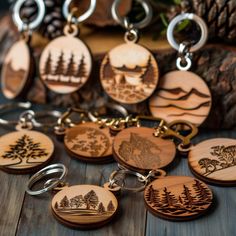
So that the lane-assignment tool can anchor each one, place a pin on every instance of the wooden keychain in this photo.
(26, 150)
(212, 160)
(129, 72)
(78, 206)
(18, 66)
(183, 94)
(143, 148)
(177, 198)
(66, 62)
(90, 140)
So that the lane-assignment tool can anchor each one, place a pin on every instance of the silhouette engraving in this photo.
(189, 200)
(223, 157)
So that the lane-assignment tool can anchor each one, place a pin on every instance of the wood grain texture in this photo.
(138, 149)
(181, 95)
(24, 151)
(129, 73)
(16, 73)
(89, 142)
(132, 219)
(178, 198)
(65, 64)
(214, 161)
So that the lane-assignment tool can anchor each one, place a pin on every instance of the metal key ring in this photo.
(112, 180)
(51, 169)
(187, 16)
(120, 20)
(85, 16)
(35, 23)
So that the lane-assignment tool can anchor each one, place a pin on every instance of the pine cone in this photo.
(220, 16)
(53, 21)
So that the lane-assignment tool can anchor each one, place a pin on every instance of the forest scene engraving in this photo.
(140, 152)
(71, 72)
(25, 153)
(15, 72)
(189, 99)
(222, 157)
(87, 141)
(126, 83)
(84, 208)
(189, 200)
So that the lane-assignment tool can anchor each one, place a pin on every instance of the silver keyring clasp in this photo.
(50, 183)
(139, 25)
(85, 16)
(187, 16)
(21, 25)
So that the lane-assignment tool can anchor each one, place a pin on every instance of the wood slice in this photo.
(214, 161)
(138, 149)
(129, 73)
(16, 72)
(84, 206)
(65, 64)
(181, 95)
(89, 142)
(178, 198)
(24, 151)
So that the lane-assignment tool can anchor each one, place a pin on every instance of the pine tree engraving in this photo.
(108, 72)
(71, 68)
(153, 196)
(101, 208)
(202, 193)
(24, 150)
(64, 203)
(56, 206)
(60, 66)
(168, 198)
(148, 75)
(188, 197)
(192, 199)
(48, 66)
(110, 206)
(82, 69)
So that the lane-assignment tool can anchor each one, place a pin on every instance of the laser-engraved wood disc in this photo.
(89, 142)
(214, 161)
(178, 198)
(138, 149)
(17, 70)
(129, 73)
(84, 206)
(65, 64)
(181, 95)
(24, 151)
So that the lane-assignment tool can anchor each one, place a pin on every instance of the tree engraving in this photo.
(222, 157)
(191, 200)
(24, 150)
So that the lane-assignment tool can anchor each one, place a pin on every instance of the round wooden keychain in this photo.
(177, 198)
(78, 206)
(18, 66)
(212, 160)
(89, 141)
(25, 150)
(129, 72)
(143, 149)
(183, 94)
(66, 62)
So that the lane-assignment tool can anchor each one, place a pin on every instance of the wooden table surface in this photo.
(25, 215)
